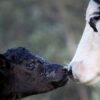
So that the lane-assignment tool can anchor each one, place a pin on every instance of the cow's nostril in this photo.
(70, 71)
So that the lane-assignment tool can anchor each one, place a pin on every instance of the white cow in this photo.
(85, 65)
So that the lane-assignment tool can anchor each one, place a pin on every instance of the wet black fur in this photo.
(97, 1)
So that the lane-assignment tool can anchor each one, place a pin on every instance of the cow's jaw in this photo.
(85, 64)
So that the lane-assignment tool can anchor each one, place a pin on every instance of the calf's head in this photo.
(24, 73)
(85, 65)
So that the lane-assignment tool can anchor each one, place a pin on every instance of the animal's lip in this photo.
(89, 82)
(92, 81)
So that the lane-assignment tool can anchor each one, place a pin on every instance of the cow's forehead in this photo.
(92, 9)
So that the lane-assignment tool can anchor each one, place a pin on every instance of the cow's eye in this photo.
(93, 20)
(96, 18)
(30, 66)
(92, 23)
(34, 63)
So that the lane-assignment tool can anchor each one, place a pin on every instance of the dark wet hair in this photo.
(97, 1)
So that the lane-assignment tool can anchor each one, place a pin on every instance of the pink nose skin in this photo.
(83, 73)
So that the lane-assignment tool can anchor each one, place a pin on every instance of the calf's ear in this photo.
(4, 66)
(3, 62)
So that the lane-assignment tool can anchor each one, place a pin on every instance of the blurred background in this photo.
(50, 28)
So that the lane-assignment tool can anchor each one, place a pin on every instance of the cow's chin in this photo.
(85, 75)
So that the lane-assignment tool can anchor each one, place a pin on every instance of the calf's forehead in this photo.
(22, 55)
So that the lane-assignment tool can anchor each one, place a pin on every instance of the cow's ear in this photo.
(4, 64)
(4, 67)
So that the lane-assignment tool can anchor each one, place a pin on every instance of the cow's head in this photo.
(85, 65)
(23, 73)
